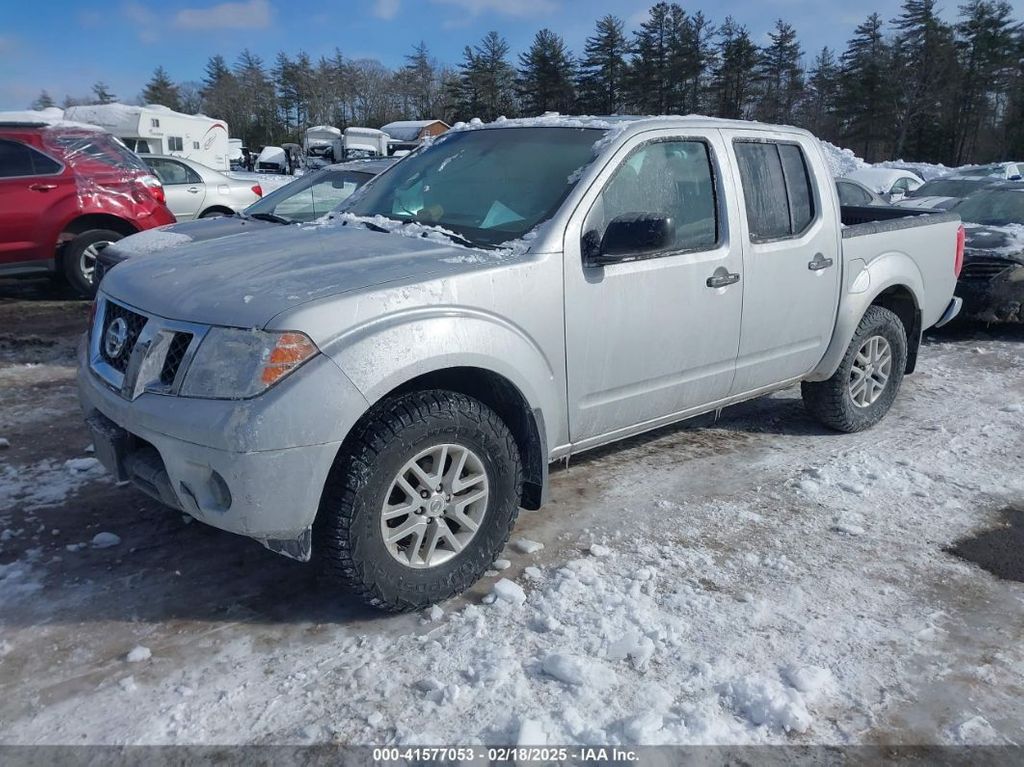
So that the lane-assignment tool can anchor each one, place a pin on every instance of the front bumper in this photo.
(996, 299)
(254, 467)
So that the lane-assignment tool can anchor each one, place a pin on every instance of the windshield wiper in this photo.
(269, 217)
(451, 236)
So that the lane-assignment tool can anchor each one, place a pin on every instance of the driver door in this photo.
(648, 337)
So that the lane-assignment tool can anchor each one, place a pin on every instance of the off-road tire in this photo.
(71, 259)
(348, 545)
(830, 401)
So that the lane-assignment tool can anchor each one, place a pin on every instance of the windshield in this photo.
(948, 187)
(995, 207)
(489, 186)
(310, 196)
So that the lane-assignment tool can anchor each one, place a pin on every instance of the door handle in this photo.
(194, 189)
(819, 263)
(721, 280)
(42, 187)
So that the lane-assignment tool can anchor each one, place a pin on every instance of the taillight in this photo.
(257, 190)
(961, 242)
(154, 187)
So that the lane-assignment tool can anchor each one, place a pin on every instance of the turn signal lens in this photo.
(290, 351)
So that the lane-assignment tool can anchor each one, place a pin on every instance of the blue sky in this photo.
(66, 45)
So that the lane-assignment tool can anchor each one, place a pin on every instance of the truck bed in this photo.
(926, 238)
(862, 220)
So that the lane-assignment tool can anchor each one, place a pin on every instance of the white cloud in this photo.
(253, 14)
(518, 8)
(386, 9)
(144, 19)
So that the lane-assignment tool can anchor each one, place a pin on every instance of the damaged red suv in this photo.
(66, 192)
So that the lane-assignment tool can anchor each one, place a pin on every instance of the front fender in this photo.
(865, 282)
(390, 350)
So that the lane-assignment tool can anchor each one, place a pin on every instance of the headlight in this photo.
(237, 364)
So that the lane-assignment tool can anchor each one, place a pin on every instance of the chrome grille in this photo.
(983, 268)
(175, 354)
(135, 323)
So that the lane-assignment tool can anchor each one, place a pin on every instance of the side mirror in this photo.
(629, 237)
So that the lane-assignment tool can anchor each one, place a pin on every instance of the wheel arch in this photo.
(892, 281)
(503, 397)
(216, 209)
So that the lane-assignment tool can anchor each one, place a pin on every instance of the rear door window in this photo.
(777, 189)
(18, 160)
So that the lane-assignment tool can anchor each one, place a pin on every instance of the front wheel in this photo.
(861, 391)
(79, 258)
(419, 502)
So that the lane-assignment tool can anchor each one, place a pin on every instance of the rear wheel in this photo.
(214, 213)
(861, 391)
(420, 502)
(79, 258)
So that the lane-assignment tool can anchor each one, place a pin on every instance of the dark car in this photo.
(943, 193)
(992, 281)
(303, 200)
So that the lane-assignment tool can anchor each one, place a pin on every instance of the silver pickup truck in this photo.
(382, 390)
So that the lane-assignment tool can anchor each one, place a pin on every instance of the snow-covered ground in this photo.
(754, 580)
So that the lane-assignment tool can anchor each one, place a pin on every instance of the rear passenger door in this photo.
(184, 189)
(30, 184)
(791, 258)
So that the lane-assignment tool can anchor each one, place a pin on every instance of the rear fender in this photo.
(865, 283)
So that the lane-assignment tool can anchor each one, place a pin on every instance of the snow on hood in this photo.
(999, 241)
(151, 241)
(247, 280)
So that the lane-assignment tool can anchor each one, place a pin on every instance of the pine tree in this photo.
(780, 76)
(734, 70)
(868, 90)
(486, 84)
(43, 101)
(421, 83)
(924, 69)
(102, 94)
(602, 71)
(257, 101)
(985, 46)
(819, 110)
(651, 82)
(161, 90)
(545, 77)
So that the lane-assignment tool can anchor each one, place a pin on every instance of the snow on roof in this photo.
(123, 117)
(323, 129)
(409, 130)
(880, 179)
(51, 117)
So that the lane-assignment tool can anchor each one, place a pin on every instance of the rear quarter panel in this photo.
(916, 252)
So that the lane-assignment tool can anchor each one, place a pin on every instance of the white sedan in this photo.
(893, 184)
(196, 191)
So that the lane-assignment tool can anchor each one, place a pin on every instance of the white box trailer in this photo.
(368, 142)
(156, 129)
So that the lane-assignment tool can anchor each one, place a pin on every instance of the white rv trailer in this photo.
(155, 129)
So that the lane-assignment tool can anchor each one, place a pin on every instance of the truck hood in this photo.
(995, 242)
(181, 234)
(248, 279)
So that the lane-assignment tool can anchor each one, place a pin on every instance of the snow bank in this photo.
(841, 161)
